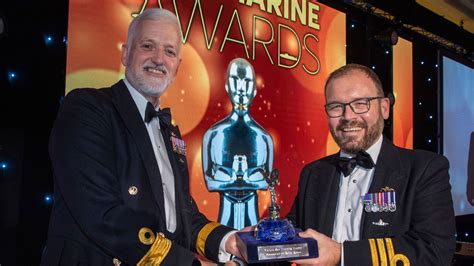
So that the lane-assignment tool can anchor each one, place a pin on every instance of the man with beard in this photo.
(121, 192)
(373, 203)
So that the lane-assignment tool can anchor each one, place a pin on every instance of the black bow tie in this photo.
(346, 165)
(163, 114)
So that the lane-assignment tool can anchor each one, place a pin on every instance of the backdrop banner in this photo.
(292, 46)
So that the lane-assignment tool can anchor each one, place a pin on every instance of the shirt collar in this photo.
(373, 150)
(139, 99)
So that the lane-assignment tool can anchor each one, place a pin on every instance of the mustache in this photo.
(352, 123)
(161, 68)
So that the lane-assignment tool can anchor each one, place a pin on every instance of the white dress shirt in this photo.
(349, 204)
(161, 155)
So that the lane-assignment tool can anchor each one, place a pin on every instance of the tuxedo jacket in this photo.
(108, 195)
(420, 231)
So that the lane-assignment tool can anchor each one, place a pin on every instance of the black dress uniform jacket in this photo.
(420, 231)
(108, 197)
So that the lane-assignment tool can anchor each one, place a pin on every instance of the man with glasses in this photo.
(373, 203)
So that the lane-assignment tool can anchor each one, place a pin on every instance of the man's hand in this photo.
(204, 261)
(329, 250)
(231, 243)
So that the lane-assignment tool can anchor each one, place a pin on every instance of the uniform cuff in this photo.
(224, 256)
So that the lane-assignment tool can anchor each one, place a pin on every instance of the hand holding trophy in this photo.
(275, 239)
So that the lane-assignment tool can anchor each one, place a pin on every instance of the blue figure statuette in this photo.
(237, 153)
(272, 228)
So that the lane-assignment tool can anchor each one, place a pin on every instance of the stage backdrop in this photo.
(458, 131)
(293, 46)
(403, 92)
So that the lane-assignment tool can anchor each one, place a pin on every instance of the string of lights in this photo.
(447, 44)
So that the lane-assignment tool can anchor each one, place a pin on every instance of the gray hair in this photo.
(150, 14)
(350, 68)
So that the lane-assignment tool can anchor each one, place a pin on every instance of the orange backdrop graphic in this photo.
(289, 101)
(403, 91)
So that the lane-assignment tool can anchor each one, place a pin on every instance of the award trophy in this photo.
(275, 239)
(237, 153)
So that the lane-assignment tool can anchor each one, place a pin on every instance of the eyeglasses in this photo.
(358, 106)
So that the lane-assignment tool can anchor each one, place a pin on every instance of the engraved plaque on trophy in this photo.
(275, 239)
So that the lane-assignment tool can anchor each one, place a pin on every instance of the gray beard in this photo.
(145, 89)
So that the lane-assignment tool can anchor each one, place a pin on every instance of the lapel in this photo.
(388, 173)
(178, 164)
(327, 199)
(129, 113)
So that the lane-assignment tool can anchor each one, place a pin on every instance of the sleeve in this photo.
(83, 159)
(429, 239)
(206, 235)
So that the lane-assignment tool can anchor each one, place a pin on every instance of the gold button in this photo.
(146, 236)
(116, 262)
(133, 190)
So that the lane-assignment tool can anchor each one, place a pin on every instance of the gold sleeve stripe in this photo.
(390, 250)
(373, 251)
(157, 252)
(386, 256)
(400, 257)
(382, 253)
(202, 236)
(395, 258)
